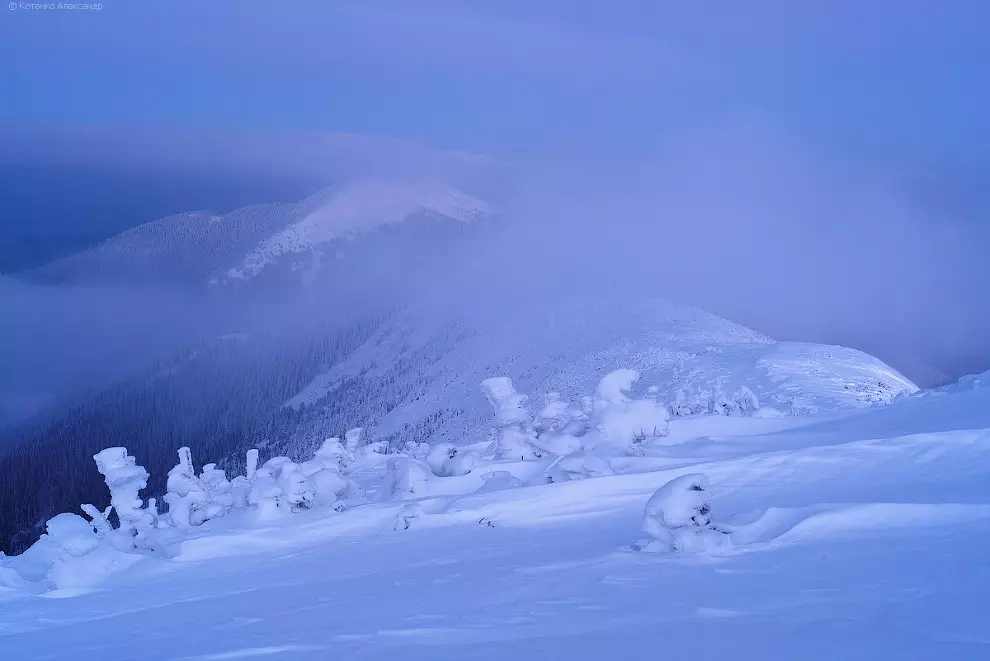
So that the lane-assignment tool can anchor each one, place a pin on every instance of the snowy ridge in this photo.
(432, 363)
(357, 208)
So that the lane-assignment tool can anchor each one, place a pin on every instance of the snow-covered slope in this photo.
(360, 207)
(417, 377)
(186, 248)
(201, 247)
(860, 538)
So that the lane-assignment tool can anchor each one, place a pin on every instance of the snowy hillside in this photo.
(348, 211)
(859, 537)
(202, 247)
(416, 378)
(184, 248)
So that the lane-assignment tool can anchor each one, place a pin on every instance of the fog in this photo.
(740, 219)
(753, 225)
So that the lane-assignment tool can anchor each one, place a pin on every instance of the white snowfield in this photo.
(858, 534)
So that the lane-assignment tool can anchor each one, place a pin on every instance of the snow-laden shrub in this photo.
(218, 487)
(297, 492)
(126, 479)
(578, 466)
(513, 425)
(446, 460)
(352, 439)
(333, 450)
(690, 402)
(330, 486)
(404, 477)
(623, 422)
(560, 426)
(189, 500)
(417, 450)
(746, 400)
(280, 486)
(554, 415)
(240, 486)
(76, 554)
(678, 517)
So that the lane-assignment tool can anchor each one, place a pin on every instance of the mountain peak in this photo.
(357, 208)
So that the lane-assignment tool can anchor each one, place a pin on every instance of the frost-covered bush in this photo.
(446, 460)
(554, 415)
(352, 439)
(625, 423)
(560, 426)
(280, 486)
(404, 477)
(323, 471)
(335, 452)
(297, 491)
(417, 450)
(516, 438)
(578, 466)
(240, 486)
(218, 487)
(746, 401)
(76, 555)
(281, 483)
(126, 479)
(188, 498)
(678, 518)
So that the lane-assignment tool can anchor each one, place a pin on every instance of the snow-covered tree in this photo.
(553, 416)
(240, 486)
(352, 439)
(746, 401)
(126, 479)
(334, 451)
(297, 491)
(188, 498)
(513, 424)
(624, 422)
(76, 554)
(446, 460)
(218, 487)
(325, 475)
(678, 517)
(723, 404)
(404, 477)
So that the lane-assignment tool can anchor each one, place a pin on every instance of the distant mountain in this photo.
(321, 225)
(299, 240)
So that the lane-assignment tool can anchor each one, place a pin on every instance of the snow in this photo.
(421, 370)
(855, 534)
(358, 207)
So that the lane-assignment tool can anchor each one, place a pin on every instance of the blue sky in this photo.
(899, 84)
